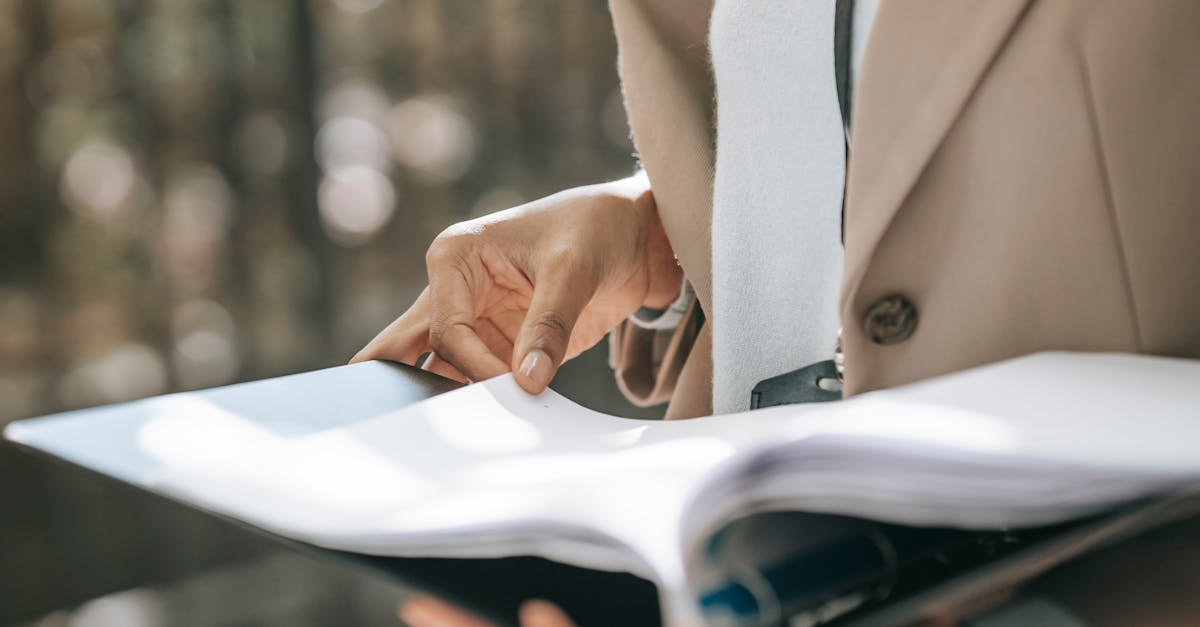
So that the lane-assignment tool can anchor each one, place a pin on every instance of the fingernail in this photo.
(537, 368)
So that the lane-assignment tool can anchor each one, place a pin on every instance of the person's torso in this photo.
(1023, 177)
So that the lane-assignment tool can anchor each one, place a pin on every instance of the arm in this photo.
(668, 90)
(525, 289)
(664, 66)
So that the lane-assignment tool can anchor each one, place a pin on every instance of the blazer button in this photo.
(890, 320)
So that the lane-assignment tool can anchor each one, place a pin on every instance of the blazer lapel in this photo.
(922, 62)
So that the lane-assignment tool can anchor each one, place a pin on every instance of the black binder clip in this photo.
(816, 383)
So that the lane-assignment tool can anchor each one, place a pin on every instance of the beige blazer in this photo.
(1024, 175)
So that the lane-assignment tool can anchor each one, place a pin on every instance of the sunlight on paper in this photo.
(191, 437)
(482, 431)
(190, 431)
(344, 474)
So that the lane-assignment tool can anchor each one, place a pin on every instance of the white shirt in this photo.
(777, 189)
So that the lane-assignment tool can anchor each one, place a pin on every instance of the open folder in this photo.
(334, 459)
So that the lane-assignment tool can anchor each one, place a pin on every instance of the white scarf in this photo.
(776, 223)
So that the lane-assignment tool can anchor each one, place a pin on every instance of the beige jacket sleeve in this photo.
(667, 84)
(647, 358)
(655, 366)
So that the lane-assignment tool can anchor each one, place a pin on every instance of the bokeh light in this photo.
(100, 181)
(355, 203)
(205, 352)
(429, 136)
(346, 141)
(128, 371)
(354, 98)
(357, 6)
(199, 193)
(196, 218)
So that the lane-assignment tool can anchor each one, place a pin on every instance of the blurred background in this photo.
(194, 193)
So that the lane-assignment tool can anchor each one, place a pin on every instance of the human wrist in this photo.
(664, 276)
(667, 318)
(657, 257)
(634, 187)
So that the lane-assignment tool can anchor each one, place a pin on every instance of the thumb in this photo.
(542, 342)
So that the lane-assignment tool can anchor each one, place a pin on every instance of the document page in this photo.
(335, 459)
(331, 458)
(1027, 442)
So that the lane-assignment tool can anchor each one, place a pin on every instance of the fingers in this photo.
(412, 335)
(560, 295)
(427, 611)
(495, 339)
(462, 288)
(543, 614)
(441, 367)
(452, 333)
(405, 339)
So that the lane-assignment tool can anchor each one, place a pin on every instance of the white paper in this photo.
(491, 471)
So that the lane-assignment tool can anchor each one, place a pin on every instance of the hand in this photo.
(427, 611)
(526, 289)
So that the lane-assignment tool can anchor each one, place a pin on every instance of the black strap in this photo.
(843, 27)
(815, 383)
